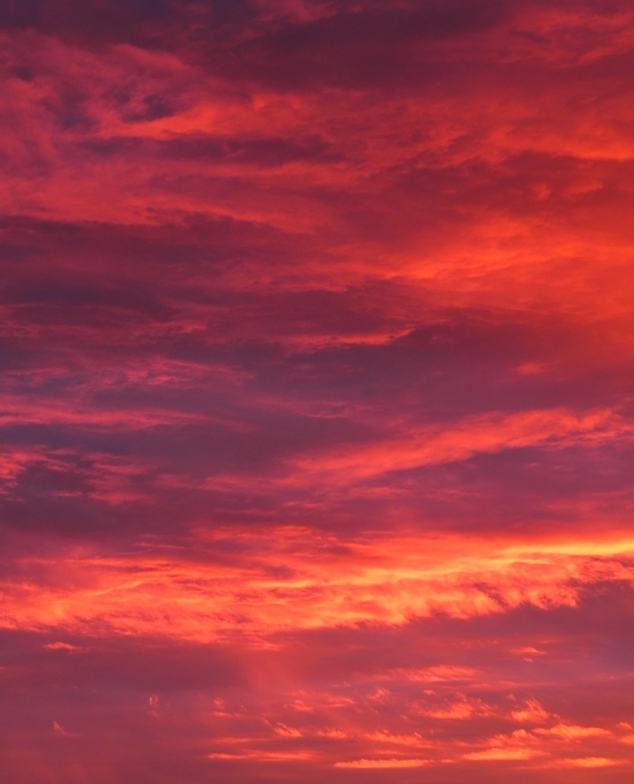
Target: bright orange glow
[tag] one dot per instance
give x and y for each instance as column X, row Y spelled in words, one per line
column 387, row 581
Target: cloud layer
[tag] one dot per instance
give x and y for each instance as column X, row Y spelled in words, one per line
column 316, row 402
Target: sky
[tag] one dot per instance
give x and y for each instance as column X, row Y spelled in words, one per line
column 317, row 391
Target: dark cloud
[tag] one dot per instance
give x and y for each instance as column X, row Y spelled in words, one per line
column 265, row 152
column 92, row 22
column 363, row 48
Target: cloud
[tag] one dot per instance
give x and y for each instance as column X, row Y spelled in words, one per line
column 533, row 713
column 502, row 754
column 315, row 328
column 588, row 762
column 490, row 433
column 295, row 583
column 61, row 732
column 570, row 732
column 63, row 646
column 369, row 764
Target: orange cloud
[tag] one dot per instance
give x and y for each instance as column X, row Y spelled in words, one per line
column 587, row 762
column 533, row 713
column 485, row 434
column 571, row 732
column 370, row 764
column 380, row 581
column 502, row 754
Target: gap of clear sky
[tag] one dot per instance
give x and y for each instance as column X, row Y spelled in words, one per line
column 317, row 391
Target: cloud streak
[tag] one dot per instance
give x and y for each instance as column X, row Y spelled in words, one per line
column 288, row 583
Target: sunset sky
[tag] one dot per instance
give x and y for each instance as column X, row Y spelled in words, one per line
column 317, row 402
